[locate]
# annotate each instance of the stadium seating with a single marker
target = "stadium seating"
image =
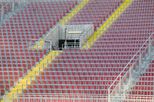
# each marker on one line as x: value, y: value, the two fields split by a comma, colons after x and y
x: 17, y: 34
x: 76, y: 75
x: 144, y: 88
x: 96, y: 12
x: 90, y: 72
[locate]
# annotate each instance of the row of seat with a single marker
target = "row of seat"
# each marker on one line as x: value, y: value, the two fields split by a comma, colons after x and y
x: 63, y: 77
x: 144, y: 87
x: 80, y: 71
x: 20, y: 32
x: 96, y: 12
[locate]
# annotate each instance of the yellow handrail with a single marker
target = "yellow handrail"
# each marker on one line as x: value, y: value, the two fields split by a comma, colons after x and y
x: 27, y: 79
x: 63, y: 21
x: 70, y: 15
x: 102, y: 29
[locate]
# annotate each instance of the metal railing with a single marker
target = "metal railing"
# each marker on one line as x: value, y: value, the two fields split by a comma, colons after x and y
x: 126, y: 74
x: 76, y: 97
x: 62, y: 97
x: 5, y: 8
